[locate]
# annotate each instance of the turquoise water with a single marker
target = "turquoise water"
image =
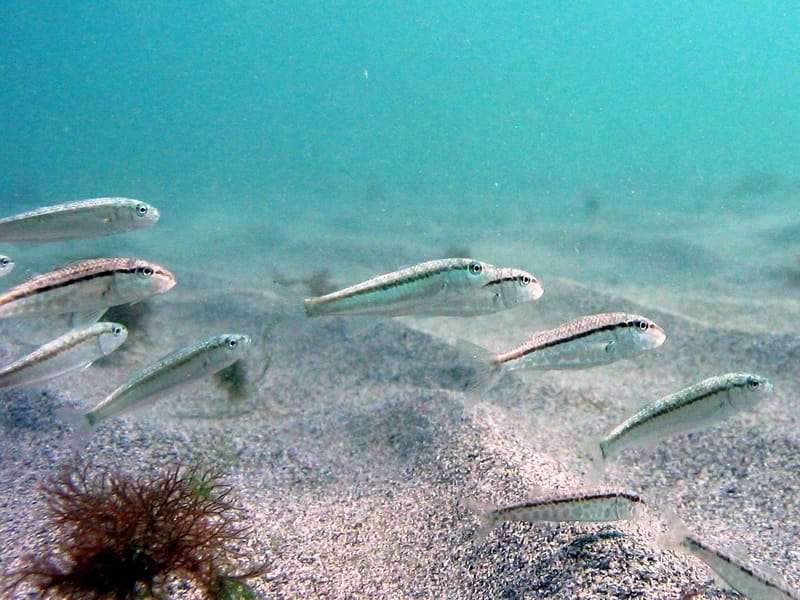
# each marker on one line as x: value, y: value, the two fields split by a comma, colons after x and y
x: 243, y: 102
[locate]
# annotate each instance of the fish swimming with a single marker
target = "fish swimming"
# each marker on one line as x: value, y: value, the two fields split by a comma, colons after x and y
x: 690, y: 409
x: 76, y: 349
x: 6, y: 265
x: 77, y: 220
x: 85, y: 287
x: 582, y: 506
x: 447, y: 287
x: 738, y: 572
x: 178, y: 368
x: 582, y: 343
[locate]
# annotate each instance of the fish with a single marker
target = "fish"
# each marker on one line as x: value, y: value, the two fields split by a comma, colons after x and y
x: 6, y: 265
x: 78, y: 220
x: 76, y: 349
x: 585, y: 342
x: 457, y: 287
x: 690, y: 409
x: 88, y: 286
x: 735, y: 569
x: 598, y: 505
x: 183, y: 366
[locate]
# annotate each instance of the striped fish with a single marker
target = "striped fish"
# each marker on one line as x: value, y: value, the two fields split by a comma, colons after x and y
x: 6, y: 265
x: 690, y: 409
x: 740, y: 573
x: 447, y: 287
x: 74, y: 350
x: 582, y: 343
x: 86, y: 286
x: 183, y: 366
x: 76, y: 220
x: 580, y: 506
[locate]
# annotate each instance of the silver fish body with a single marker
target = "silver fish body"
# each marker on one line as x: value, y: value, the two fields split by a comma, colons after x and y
x: 74, y: 350
x: 584, y: 506
x: 446, y: 287
x: 690, y: 409
x: 584, y: 342
x: 86, y: 286
x: 76, y: 220
x: 183, y: 366
x: 6, y: 265
x: 739, y: 573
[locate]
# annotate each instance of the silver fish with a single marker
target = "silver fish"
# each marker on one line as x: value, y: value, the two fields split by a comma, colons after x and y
x: 740, y: 573
x: 446, y: 287
x: 86, y: 286
x: 74, y: 350
x: 583, y: 506
x: 6, y: 265
x: 183, y: 366
x: 582, y: 343
x: 690, y: 409
x: 76, y: 220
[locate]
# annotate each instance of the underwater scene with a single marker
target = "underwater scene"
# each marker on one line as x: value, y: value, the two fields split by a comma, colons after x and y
x: 355, y: 299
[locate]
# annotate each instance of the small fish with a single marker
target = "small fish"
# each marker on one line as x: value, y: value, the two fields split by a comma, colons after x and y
x: 582, y: 343
x: 740, y: 573
x: 583, y: 506
x: 448, y: 287
x: 690, y: 409
x: 6, y: 265
x: 74, y: 350
x: 180, y: 367
x: 77, y: 220
x: 87, y: 286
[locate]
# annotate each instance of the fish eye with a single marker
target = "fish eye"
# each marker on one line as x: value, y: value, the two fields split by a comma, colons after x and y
x: 643, y: 325
x: 146, y: 272
x: 117, y: 331
x: 475, y: 268
x: 752, y: 383
x: 4, y: 262
x: 525, y: 280
x: 232, y: 343
x: 142, y: 209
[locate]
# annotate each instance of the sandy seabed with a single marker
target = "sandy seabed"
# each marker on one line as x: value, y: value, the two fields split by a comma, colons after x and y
x: 358, y: 452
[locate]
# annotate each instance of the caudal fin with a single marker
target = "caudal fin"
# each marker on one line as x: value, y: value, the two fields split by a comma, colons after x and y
x: 485, y: 513
x: 485, y: 371
x: 82, y: 427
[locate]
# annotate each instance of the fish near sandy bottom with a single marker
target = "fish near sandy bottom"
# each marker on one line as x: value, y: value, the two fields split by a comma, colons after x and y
x: 585, y: 342
x: 184, y: 366
x: 588, y: 506
x: 459, y: 287
x: 94, y: 217
x: 690, y: 409
x: 76, y: 349
x: 85, y: 287
x: 735, y: 569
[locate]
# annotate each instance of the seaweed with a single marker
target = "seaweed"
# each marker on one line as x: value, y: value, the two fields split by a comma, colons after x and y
x: 119, y: 536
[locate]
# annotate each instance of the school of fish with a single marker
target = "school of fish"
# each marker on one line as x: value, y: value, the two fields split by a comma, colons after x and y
x: 454, y: 287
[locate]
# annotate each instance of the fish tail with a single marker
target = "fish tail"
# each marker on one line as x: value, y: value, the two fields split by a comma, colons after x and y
x: 82, y: 425
x: 598, y: 454
x: 486, y: 371
x: 486, y: 522
x: 675, y: 532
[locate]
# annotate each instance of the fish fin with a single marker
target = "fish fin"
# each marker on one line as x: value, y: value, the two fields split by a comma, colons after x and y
x: 610, y: 348
x: 483, y: 510
x: 486, y: 371
x: 596, y: 468
x: 81, y: 423
x: 84, y: 319
x: 675, y: 532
